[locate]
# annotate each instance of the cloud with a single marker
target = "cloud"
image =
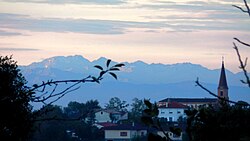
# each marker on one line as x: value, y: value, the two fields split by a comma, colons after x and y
x: 180, y: 17
x: 199, y: 15
x: 7, y: 33
x: 101, y: 2
x: 71, y: 25
x: 17, y: 49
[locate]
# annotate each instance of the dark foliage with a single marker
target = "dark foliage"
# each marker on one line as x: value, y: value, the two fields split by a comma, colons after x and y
x: 230, y: 123
x: 16, y: 116
x: 137, y: 108
x: 61, y: 125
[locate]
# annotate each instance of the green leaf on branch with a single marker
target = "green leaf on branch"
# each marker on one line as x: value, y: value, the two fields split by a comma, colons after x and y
x: 108, y: 62
x: 113, y: 74
x: 114, y: 69
x: 119, y: 65
x: 102, y: 73
x: 148, y: 103
x: 99, y: 67
x: 155, y: 110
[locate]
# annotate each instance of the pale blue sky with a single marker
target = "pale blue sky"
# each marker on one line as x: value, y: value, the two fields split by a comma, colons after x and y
x: 154, y: 31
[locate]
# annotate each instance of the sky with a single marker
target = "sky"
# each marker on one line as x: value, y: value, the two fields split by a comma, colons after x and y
x: 153, y: 31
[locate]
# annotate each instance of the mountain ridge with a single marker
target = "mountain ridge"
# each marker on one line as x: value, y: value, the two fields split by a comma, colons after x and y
x: 136, y: 79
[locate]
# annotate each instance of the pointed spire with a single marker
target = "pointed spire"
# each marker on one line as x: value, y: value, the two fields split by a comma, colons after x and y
x: 223, y: 79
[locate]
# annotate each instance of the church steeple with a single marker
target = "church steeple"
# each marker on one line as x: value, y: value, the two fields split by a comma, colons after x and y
x: 223, y: 88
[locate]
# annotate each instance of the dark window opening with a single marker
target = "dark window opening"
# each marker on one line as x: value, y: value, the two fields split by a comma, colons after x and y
x: 123, y: 134
x: 221, y: 93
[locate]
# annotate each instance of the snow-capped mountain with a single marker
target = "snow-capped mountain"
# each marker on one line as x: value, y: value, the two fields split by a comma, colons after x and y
x: 136, y: 79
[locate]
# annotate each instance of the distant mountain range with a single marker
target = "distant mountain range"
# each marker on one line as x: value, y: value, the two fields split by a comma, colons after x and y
x: 137, y: 79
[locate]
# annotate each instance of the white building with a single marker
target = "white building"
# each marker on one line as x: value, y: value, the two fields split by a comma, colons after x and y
x: 124, y: 132
x: 109, y: 115
x: 172, y: 111
x: 190, y: 102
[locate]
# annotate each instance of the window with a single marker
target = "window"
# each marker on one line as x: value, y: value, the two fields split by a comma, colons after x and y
x: 162, y: 112
x: 178, y: 112
x: 170, y: 119
x: 101, y: 113
x: 221, y: 93
x: 142, y: 133
x: 170, y: 112
x: 123, y: 134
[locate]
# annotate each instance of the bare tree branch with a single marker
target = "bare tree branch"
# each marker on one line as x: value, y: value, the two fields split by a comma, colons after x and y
x: 49, y: 94
x: 246, y: 44
x: 45, y: 96
x: 213, y: 94
x: 242, y: 66
x: 247, y: 8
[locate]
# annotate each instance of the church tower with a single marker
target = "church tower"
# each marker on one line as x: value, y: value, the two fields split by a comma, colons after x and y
x: 223, y: 88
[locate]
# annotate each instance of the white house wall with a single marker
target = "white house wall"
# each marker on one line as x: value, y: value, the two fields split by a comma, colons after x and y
x: 169, y: 113
x: 116, y: 134
x: 102, y: 116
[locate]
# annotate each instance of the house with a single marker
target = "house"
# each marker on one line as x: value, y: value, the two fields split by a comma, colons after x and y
x: 110, y: 115
x: 172, y: 111
x: 124, y: 132
x: 190, y: 102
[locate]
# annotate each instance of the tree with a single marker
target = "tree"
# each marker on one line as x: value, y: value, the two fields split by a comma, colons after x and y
x: 116, y: 104
x: 16, y: 116
x: 227, y: 122
x: 137, y: 108
x: 62, y: 126
x: 49, y: 127
x: 82, y: 111
x: 90, y: 107
x: 74, y: 110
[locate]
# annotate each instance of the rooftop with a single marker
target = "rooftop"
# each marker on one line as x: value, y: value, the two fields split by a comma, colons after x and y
x: 126, y: 127
x: 189, y: 100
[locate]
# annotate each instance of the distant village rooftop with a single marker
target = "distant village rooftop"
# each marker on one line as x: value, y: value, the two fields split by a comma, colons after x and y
x: 126, y: 127
x: 190, y: 100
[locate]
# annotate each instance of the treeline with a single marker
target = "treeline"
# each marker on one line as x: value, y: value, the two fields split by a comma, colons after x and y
x: 76, y: 120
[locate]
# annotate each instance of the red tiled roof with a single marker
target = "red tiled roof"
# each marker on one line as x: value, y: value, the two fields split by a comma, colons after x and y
x: 174, y: 104
x: 190, y: 100
x: 126, y: 127
x: 106, y: 124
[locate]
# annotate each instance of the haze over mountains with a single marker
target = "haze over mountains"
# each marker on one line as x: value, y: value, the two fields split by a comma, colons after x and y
x: 137, y: 79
